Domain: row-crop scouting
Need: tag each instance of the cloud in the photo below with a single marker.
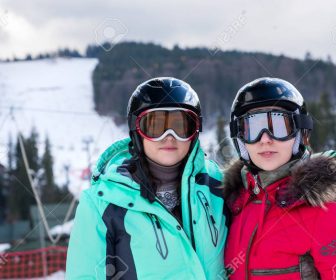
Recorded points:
(288, 27)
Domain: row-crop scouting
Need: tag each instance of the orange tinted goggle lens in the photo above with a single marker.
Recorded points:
(153, 124)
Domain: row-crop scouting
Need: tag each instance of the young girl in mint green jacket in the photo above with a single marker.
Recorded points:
(155, 207)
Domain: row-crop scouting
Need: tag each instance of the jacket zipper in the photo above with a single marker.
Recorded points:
(161, 244)
(210, 219)
(256, 190)
(248, 253)
(192, 237)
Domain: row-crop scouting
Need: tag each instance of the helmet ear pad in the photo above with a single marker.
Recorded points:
(297, 143)
(135, 145)
(243, 152)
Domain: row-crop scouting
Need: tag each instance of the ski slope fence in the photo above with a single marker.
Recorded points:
(32, 264)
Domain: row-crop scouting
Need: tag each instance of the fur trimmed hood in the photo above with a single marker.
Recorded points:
(312, 181)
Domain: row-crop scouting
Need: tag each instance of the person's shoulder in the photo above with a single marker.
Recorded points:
(314, 179)
(114, 155)
(92, 199)
(326, 213)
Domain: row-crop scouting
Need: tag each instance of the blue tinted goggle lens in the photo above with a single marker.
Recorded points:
(279, 125)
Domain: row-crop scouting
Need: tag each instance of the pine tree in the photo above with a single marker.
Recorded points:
(329, 121)
(20, 191)
(324, 132)
(3, 205)
(50, 192)
(10, 154)
(32, 150)
(316, 138)
(5, 180)
(47, 180)
(224, 154)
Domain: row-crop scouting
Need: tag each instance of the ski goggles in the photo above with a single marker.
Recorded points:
(155, 124)
(279, 125)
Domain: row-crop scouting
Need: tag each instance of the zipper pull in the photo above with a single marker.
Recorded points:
(256, 189)
(212, 219)
(158, 225)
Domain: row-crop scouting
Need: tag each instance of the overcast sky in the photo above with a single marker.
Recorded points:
(290, 27)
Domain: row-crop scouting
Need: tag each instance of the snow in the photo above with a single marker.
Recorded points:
(59, 275)
(56, 97)
(4, 247)
(62, 229)
(56, 276)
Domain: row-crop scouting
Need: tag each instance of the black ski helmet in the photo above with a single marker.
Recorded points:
(157, 93)
(269, 92)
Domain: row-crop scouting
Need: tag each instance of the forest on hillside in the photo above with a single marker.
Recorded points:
(216, 76)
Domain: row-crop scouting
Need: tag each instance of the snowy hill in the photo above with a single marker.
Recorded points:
(56, 97)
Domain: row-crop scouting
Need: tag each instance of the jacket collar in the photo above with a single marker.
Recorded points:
(111, 185)
(267, 178)
(115, 155)
(312, 181)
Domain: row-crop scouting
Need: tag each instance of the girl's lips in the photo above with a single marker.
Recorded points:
(168, 148)
(267, 154)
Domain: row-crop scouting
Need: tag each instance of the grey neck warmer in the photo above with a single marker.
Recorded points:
(167, 180)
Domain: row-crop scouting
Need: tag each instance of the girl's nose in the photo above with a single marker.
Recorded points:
(169, 137)
(265, 138)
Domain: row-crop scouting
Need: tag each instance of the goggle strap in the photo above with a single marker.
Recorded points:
(133, 122)
(200, 118)
(303, 122)
(233, 128)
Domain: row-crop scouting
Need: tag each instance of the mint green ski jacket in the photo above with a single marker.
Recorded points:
(118, 234)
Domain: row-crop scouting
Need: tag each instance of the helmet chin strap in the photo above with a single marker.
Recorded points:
(135, 146)
(135, 149)
(243, 150)
(298, 139)
(297, 142)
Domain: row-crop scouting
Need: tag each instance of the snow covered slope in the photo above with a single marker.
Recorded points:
(56, 97)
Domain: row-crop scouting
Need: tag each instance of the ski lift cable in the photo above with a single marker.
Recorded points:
(34, 188)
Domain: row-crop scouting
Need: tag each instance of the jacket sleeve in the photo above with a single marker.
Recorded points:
(86, 257)
(324, 242)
